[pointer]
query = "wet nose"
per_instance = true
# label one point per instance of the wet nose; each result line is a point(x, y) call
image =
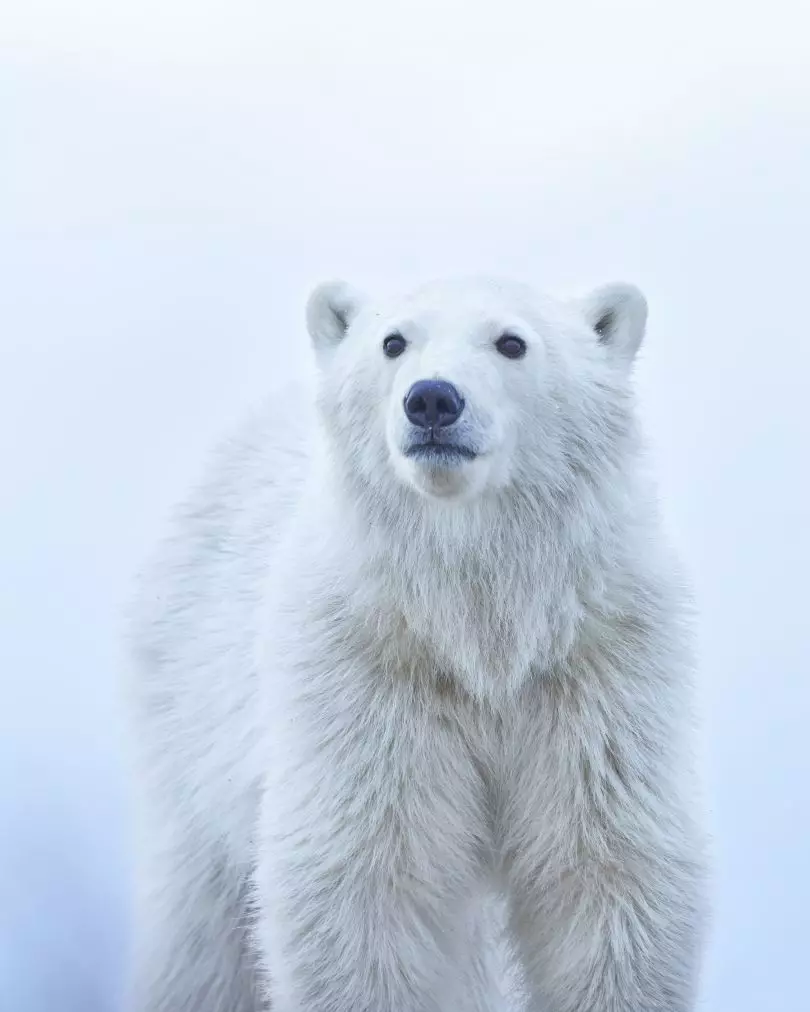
point(433, 404)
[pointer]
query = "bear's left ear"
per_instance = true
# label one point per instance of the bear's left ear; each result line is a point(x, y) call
point(617, 314)
point(330, 310)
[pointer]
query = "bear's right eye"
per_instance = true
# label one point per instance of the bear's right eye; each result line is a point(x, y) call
point(394, 345)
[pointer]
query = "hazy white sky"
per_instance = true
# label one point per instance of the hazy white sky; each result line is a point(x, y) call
point(174, 177)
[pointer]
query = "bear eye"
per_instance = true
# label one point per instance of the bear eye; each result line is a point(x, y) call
point(511, 346)
point(394, 345)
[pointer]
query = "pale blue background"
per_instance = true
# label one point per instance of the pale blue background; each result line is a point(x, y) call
point(174, 177)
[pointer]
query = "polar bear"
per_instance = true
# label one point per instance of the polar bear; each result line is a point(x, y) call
point(413, 682)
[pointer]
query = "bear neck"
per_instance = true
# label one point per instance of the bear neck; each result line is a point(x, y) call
point(488, 591)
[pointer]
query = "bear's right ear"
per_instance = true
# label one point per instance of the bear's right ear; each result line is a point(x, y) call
point(331, 308)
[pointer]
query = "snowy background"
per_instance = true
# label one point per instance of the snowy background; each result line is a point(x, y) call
point(173, 179)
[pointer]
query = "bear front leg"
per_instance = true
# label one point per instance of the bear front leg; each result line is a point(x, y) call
point(603, 860)
point(369, 849)
point(608, 937)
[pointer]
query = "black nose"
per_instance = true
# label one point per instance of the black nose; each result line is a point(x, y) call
point(433, 404)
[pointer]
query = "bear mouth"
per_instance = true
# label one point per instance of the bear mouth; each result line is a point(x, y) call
point(440, 454)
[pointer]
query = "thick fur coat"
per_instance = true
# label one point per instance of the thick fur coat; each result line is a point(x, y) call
point(413, 702)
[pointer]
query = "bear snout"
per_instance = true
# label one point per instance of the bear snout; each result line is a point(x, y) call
point(433, 404)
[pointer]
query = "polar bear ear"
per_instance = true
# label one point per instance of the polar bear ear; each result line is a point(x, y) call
point(617, 314)
point(331, 308)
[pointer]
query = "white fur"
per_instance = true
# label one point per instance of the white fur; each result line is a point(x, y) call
point(417, 738)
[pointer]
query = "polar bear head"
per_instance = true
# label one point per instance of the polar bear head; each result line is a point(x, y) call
point(471, 388)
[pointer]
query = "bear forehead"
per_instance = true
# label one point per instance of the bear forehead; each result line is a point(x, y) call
point(472, 299)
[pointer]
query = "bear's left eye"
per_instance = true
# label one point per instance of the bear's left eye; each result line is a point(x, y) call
point(511, 346)
point(394, 345)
